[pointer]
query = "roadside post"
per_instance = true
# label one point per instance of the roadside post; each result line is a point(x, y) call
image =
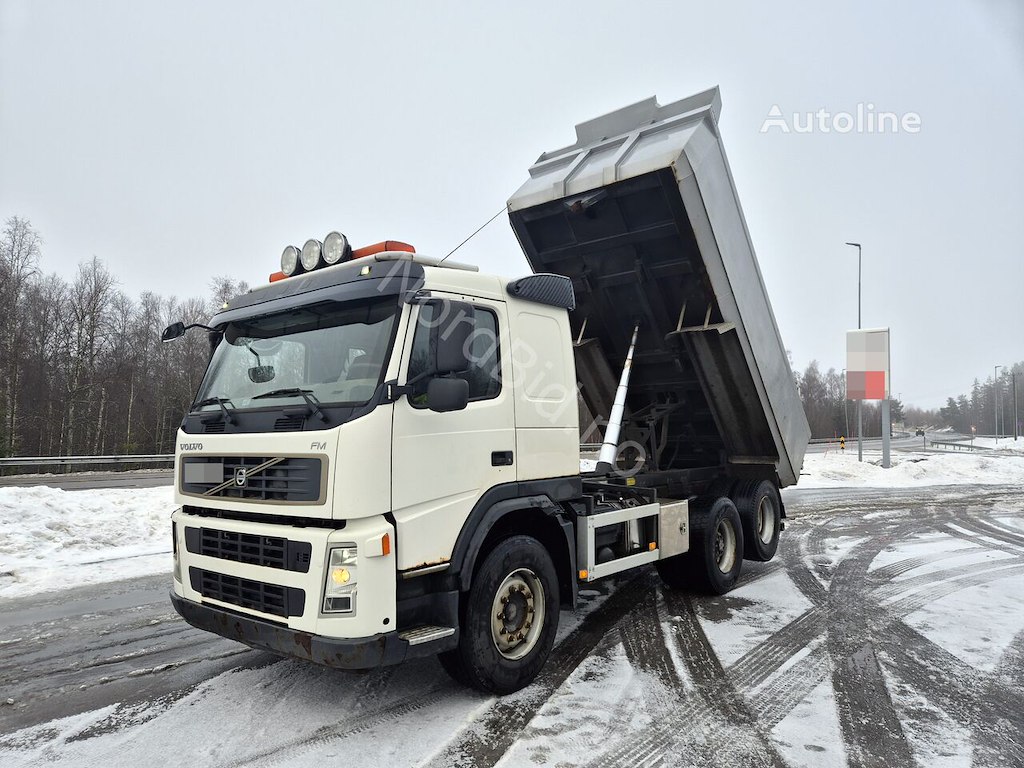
point(1016, 421)
point(867, 378)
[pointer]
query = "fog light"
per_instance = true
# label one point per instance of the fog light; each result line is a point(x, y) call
point(336, 248)
point(338, 604)
point(311, 253)
point(290, 260)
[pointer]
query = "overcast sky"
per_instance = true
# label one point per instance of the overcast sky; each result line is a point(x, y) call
point(178, 141)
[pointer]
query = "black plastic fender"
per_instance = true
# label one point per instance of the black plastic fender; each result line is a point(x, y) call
point(507, 499)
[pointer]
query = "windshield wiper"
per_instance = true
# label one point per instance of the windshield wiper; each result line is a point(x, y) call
point(217, 401)
point(305, 394)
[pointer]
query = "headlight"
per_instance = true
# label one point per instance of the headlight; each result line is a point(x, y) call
point(336, 248)
point(311, 255)
point(290, 260)
point(340, 581)
point(174, 550)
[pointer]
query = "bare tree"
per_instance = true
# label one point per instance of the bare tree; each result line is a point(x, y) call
point(20, 247)
point(223, 289)
point(88, 305)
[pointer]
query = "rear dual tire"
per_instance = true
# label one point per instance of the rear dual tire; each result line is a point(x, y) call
point(760, 508)
point(716, 550)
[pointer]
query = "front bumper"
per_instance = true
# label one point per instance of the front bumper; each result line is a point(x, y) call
point(358, 653)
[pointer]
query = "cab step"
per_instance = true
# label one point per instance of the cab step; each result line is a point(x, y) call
point(425, 634)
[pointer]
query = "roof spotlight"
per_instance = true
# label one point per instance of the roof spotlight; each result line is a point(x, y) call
point(336, 248)
point(311, 253)
point(290, 260)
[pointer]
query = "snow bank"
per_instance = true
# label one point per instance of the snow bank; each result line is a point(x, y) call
point(836, 469)
point(1004, 444)
point(909, 470)
point(51, 538)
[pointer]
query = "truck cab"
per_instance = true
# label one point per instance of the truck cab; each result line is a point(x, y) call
point(336, 455)
point(382, 461)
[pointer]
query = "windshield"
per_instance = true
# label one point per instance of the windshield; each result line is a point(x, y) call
point(336, 352)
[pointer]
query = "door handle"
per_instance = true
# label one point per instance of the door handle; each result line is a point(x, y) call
point(501, 458)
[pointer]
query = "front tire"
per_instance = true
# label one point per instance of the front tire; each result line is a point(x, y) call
point(716, 546)
point(508, 619)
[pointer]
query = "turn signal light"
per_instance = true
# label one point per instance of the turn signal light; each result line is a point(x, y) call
point(386, 245)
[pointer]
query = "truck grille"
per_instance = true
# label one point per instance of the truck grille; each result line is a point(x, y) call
point(245, 593)
point(249, 548)
point(254, 478)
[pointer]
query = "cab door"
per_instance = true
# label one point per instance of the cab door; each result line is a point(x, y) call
point(442, 463)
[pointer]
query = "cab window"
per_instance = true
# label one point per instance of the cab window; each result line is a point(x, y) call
point(484, 373)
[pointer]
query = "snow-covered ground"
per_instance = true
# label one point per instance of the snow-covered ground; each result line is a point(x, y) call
point(1002, 444)
point(771, 673)
point(908, 470)
point(52, 539)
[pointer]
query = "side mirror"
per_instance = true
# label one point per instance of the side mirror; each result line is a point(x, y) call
point(173, 331)
point(447, 394)
point(452, 323)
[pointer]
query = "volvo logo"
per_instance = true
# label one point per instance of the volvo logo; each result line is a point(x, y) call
point(240, 477)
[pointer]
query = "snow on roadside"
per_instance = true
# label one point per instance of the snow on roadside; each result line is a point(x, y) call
point(910, 470)
point(51, 539)
point(1007, 444)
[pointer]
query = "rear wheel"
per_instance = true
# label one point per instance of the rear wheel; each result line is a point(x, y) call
point(760, 508)
point(716, 546)
point(508, 619)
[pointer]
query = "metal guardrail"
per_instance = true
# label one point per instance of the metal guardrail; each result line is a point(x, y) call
point(826, 440)
point(959, 445)
point(62, 461)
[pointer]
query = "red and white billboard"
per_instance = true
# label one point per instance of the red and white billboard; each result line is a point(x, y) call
point(867, 364)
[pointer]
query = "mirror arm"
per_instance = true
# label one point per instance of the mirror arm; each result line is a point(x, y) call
point(392, 391)
point(184, 330)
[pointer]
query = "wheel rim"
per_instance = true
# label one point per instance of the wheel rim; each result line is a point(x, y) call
point(765, 520)
point(517, 614)
point(725, 546)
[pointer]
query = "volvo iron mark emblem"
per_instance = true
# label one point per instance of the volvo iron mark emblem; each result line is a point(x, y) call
point(240, 477)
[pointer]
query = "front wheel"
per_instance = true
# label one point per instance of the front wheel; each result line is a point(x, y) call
point(508, 619)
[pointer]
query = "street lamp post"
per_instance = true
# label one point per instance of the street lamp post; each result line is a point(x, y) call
point(846, 404)
point(857, 246)
point(860, 403)
point(995, 398)
point(1016, 423)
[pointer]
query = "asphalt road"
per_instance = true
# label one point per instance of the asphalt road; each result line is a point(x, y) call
point(710, 697)
point(80, 481)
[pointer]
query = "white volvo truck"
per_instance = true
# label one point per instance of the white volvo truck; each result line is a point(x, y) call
point(382, 461)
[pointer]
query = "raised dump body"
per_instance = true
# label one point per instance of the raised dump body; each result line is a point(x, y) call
point(642, 214)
